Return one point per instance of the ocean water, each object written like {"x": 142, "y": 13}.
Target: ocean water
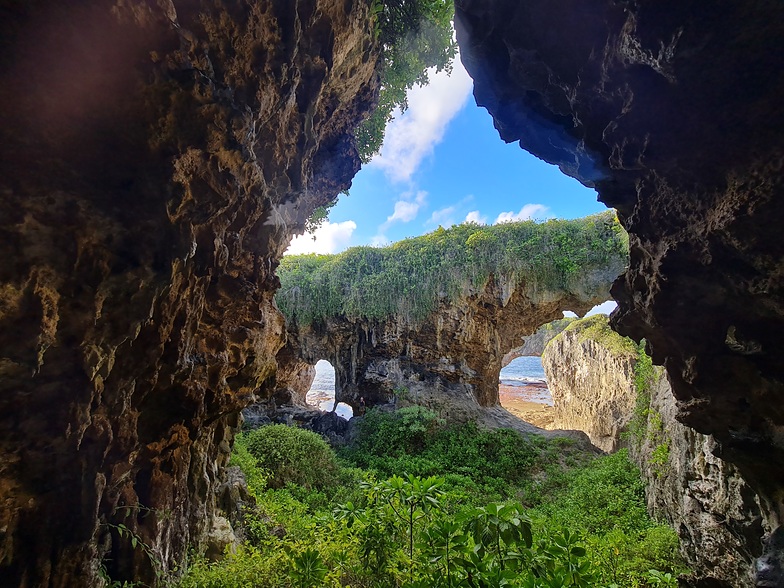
{"x": 524, "y": 379}
{"x": 523, "y": 370}
{"x": 324, "y": 381}
{"x": 520, "y": 372}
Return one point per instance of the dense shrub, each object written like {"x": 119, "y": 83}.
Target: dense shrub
{"x": 414, "y": 529}
{"x": 483, "y": 463}
{"x": 292, "y": 456}
{"x": 606, "y": 494}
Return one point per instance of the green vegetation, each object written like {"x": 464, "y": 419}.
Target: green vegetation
{"x": 597, "y": 328}
{"x": 435, "y": 505}
{"x": 411, "y": 277}
{"x": 291, "y": 456}
{"x": 646, "y": 423}
{"x": 559, "y": 324}
{"x": 414, "y": 35}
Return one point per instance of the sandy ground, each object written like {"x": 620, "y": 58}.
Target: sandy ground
{"x": 528, "y": 403}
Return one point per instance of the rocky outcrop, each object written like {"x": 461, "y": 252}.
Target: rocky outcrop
{"x": 155, "y": 158}
{"x": 590, "y": 374}
{"x": 294, "y": 376}
{"x": 593, "y": 374}
{"x": 716, "y": 513}
{"x": 534, "y": 344}
{"x": 449, "y": 361}
{"x": 672, "y": 111}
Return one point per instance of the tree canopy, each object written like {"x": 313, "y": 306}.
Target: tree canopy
{"x": 414, "y": 35}
{"x": 411, "y": 277}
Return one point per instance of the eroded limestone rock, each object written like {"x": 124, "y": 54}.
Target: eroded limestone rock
{"x": 450, "y": 361}
{"x": 672, "y": 110}
{"x": 592, "y": 386}
{"x": 155, "y": 158}
{"x": 716, "y": 514}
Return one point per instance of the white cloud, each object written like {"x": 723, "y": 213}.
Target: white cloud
{"x": 603, "y": 308}
{"x": 406, "y": 209}
{"x": 443, "y": 216}
{"x": 475, "y": 217}
{"x": 379, "y": 240}
{"x": 328, "y": 238}
{"x": 411, "y": 136}
{"x": 527, "y": 212}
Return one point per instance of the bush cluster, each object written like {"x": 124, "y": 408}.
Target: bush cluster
{"x": 292, "y": 456}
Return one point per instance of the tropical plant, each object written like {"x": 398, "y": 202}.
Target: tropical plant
{"x": 414, "y": 36}
{"x": 292, "y": 456}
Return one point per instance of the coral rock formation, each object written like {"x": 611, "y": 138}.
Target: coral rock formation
{"x": 449, "y": 361}
{"x": 704, "y": 498}
{"x": 592, "y": 385}
{"x": 155, "y": 159}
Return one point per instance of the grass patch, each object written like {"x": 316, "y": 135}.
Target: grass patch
{"x": 597, "y": 328}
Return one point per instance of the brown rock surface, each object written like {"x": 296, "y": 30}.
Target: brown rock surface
{"x": 672, "y": 110}
{"x": 155, "y": 158}
{"x": 715, "y": 512}
{"x": 449, "y": 361}
{"x": 591, "y": 382}
{"x": 534, "y": 344}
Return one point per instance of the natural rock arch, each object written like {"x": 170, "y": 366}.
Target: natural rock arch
{"x": 154, "y": 163}
{"x": 450, "y": 357}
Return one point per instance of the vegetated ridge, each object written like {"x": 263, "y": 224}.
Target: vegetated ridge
{"x": 411, "y": 277}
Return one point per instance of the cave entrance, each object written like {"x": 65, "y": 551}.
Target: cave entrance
{"x": 523, "y": 391}
{"x": 322, "y": 391}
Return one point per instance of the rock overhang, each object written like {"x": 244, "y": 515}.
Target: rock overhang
{"x": 676, "y": 106}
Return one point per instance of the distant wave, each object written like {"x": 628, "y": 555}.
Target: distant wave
{"x": 521, "y": 380}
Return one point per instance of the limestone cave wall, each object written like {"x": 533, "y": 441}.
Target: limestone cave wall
{"x": 704, "y": 498}
{"x": 155, "y": 159}
{"x": 672, "y": 111}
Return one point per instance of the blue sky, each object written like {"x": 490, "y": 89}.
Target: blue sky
{"x": 443, "y": 163}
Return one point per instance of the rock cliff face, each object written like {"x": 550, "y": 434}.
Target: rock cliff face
{"x": 534, "y": 344}
{"x": 591, "y": 380}
{"x": 672, "y": 110}
{"x": 155, "y": 158}
{"x": 450, "y": 361}
{"x": 715, "y": 512}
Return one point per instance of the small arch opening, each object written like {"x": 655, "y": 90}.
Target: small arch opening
{"x": 322, "y": 391}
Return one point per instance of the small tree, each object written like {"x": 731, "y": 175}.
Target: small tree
{"x": 414, "y": 35}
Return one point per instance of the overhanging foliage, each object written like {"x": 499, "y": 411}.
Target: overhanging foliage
{"x": 414, "y": 35}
